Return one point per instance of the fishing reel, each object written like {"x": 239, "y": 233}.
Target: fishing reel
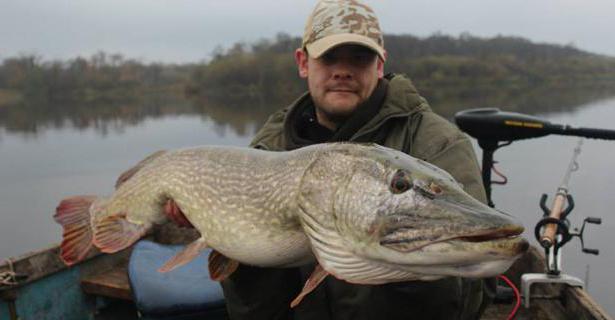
{"x": 553, "y": 232}
{"x": 563, "y": 234}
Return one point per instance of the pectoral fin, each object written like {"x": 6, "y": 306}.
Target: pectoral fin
{"x": 318, "y": 275}
{"x": 220, "y": 267}
{"x": 114, "y": 233}
{"x": 190, "y": 252}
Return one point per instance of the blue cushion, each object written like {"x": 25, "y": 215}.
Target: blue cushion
{"x": 184, "y": 291}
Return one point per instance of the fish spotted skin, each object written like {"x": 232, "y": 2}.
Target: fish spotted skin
{"x": 239, "y": 199}
{"x": 366, "y": 213}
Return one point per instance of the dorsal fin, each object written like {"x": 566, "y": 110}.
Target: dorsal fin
{"x": 131, "y": 172}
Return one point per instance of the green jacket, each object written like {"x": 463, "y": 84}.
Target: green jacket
{"x": 405, "y": 122}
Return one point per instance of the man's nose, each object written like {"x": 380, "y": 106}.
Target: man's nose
{"x": 342, "y": 71}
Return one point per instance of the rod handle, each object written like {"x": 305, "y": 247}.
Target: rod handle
{"x": 548, "y": 236}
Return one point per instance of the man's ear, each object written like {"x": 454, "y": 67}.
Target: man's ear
{"x": 301, "y": 58}
{"x": 381, "y": 66}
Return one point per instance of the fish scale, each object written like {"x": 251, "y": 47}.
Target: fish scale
{"x": 235, "y": 200}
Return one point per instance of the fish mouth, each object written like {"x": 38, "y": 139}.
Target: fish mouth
{"x": 506, "y": 240}
{"x": 502, "y": 242}
{"x": 509, "y": 232}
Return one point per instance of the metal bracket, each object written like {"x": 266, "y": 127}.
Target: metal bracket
{"x": 553, "y": 256}
{"x": 528, "y": 279}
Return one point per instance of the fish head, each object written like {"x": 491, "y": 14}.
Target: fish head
{"x": 398, "y": 212}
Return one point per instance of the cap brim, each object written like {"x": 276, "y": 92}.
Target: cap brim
{"x": 317, "y": 48}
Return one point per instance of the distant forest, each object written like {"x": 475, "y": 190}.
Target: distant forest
{"x": 266, "y": 69}
{"x": 100, "y": 77}
{"x": 263, "y": 76}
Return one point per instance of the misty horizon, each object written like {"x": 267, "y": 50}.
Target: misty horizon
{"x": 188, "y": 31}
{"x": 221, "y": 49}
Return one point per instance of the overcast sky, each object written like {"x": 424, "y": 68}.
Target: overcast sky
{"x": 188, "y": 30}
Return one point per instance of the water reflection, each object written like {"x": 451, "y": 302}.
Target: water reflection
{"x": 34, "y": 116}
{"x": 530, "y": 100}
{"x": 243, "y": 114}
{"x": 49, "y": 151}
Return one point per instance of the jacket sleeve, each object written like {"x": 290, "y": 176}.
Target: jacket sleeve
{"x": 271, "y": 135}
{"x": 460, "y": 161}
{"x": 439, "y": 142}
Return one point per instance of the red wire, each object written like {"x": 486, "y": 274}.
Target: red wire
{"x": 517, "y": 296}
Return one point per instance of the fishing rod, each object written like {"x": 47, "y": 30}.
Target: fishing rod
{"x": 495, "y": 129}
{"x": 553, "y": 232}
{"x": 557, "y": 212}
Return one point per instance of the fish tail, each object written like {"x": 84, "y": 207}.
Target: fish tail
{"x": 73, "y": 214}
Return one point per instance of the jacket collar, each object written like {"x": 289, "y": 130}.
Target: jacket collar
{"x": 402, "y": 101}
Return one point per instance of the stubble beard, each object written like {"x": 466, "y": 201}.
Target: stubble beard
{"x": 328, "y": 115}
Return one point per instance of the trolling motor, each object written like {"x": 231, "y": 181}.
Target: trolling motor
{"x": 495, "y": 129}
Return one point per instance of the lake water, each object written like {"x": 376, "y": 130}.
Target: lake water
{"x": 38, "y": 169}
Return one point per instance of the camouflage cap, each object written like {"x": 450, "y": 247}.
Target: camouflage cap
{"x": 336, "y": 22}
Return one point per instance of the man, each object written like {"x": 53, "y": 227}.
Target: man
{"x": 349, "y": 99}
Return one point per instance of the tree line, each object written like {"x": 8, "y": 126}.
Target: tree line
{"x": 266, "y": 68}
{"x": 250, "y": 81}
{"x": 102, "y": 76}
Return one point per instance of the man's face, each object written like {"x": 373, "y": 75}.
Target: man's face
{"x": 340, "y": 80}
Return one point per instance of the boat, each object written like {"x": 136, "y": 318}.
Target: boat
{"x": 38, "y": 285}
{"x": 99, "y": 288}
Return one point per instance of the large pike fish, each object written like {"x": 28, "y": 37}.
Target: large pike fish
{"x": 367, "y": 214}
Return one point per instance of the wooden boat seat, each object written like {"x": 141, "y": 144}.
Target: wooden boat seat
{"x": 111, "y": 284}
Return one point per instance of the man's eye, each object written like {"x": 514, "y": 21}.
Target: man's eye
{"x": 359, "y": 59}
{"x": 329, "y": 59}
{"x": 364, "y": 57}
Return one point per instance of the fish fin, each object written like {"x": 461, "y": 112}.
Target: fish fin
{"x": 126, "y": 175}
{"x": 114, "y": 233}
{"x": 318, "y": 275}
{"x": 220, "y": 266}
{"x": 190, "y": 252}
{"x": 73, "y": 214}
{"x": 173, "y": 212}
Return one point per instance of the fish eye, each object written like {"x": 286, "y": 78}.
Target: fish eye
{"x": 400, "y": 182}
